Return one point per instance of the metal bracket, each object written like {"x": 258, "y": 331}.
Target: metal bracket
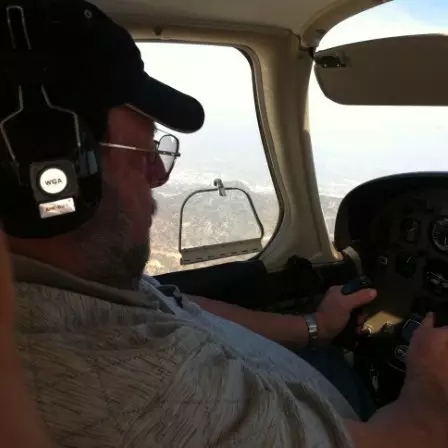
{"x": 220, "y": 186}
{"x": 217, "y": 251}
{"x": 331, "y": 61}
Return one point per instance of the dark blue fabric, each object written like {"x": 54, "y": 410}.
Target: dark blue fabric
{"x": 330, "y": 362}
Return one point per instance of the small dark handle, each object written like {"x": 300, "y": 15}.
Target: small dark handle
{"x": 347, "y": 338}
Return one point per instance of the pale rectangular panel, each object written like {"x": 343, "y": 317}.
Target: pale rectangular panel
{"x": 396, "y": 71}
{"x": 217, "y": 251}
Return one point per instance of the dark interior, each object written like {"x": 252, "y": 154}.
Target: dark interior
{"x": 295, "y": 289}
{"x": 397, "y": 230}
